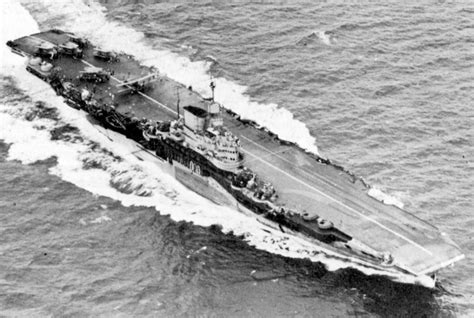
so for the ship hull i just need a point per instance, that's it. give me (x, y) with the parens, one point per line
(210, 189)
(364, 231)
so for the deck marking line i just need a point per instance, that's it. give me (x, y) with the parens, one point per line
(307, 173)
(271, 153)
(294, 178)
(339, 202)
(317, 177)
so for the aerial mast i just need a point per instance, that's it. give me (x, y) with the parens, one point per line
(212, 85)
(177, 101)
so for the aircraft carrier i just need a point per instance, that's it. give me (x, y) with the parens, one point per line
(234, 161)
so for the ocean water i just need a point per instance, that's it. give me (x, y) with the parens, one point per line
(386, 90)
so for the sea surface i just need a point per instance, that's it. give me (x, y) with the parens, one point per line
(385, 89)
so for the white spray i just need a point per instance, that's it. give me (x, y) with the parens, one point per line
(166, 194)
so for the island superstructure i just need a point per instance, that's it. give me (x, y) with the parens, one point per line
(233, 161)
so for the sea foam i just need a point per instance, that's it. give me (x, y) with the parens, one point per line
(89, 20)
(323, 37)
(381, 196)
(31, 142)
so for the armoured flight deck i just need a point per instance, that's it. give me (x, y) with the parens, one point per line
(306, 183)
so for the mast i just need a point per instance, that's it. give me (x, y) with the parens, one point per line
(177, 101)
(212, 85)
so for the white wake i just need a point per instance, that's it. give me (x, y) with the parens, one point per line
(95, 163)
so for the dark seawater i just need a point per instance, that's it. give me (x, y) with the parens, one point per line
(386, 89)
